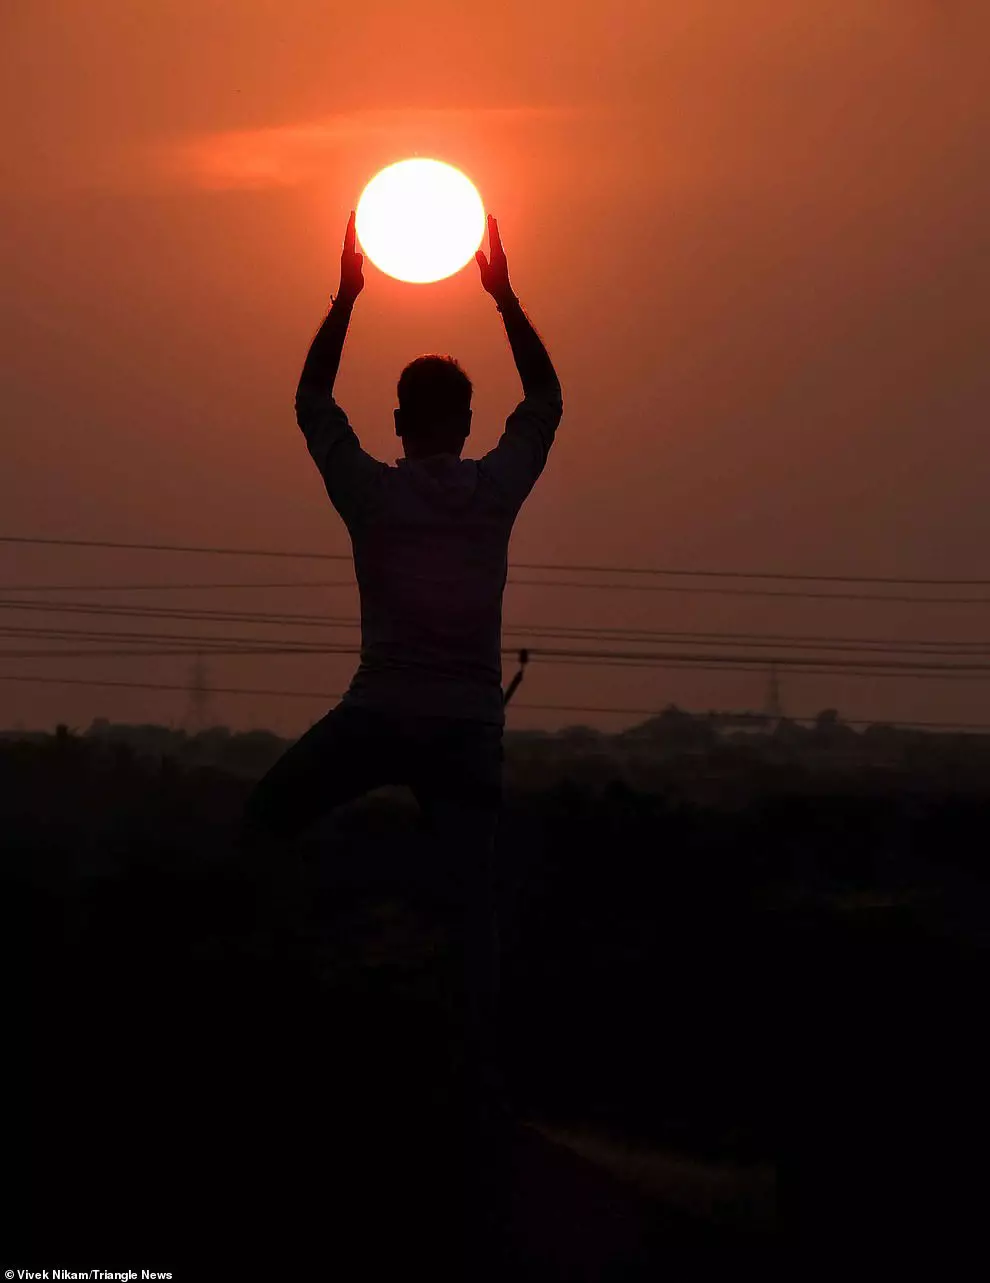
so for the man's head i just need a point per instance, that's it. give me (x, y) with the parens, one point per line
(434, 414)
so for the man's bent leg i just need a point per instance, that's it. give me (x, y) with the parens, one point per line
(344, 755)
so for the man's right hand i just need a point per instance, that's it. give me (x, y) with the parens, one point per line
(351, 264)
(494, 269)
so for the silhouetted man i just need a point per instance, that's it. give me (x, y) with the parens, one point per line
(430, 539)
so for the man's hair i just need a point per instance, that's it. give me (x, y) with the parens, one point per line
(433, 387)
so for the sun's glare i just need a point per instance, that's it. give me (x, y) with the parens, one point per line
(420, 220)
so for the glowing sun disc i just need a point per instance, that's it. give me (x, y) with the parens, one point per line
(420, 220)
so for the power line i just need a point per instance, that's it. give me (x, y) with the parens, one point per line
(170, 644)
(645, 634)
(761, 665)
(99, 635)
(758, 592)
(262, 645)
(543, 566)
(774, 642)
(164, 686)
(530, 583)
(281, 583)
(560, 708)
(566, 630)
(712, 663)
(759, 574)
(191, 639)
(169, 547)
(670, 589)
(636, 657)
(173, 612)
(164, 644)
(783, 660)
(185, 651)
(775, 645)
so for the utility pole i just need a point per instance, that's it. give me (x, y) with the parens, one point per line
(514, 684)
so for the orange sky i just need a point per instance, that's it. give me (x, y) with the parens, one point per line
(753, 236)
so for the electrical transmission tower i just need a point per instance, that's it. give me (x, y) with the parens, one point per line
(199, 696)
(773, 707)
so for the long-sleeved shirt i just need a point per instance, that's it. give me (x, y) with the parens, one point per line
(430, 538)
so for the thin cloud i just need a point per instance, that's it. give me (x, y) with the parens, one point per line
(288, 155)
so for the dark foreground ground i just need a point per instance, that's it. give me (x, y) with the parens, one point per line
(730, 1038)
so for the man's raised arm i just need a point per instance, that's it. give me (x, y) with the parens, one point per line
(323, 360)
(346, 470)
(521, 454)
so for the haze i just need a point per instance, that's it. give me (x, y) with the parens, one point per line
(753, 236)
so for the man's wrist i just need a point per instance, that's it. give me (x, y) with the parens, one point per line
(341, 301)
(506, 300)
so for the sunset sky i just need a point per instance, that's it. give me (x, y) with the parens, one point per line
(753, 236)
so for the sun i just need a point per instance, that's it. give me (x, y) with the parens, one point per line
(420, 220)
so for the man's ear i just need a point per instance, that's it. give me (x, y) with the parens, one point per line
(467, 431)
(398, 422)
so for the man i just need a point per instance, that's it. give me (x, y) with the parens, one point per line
(430, 540)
